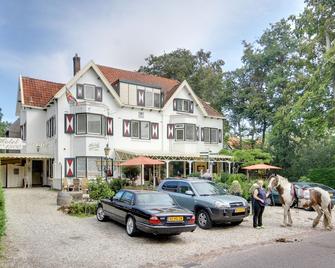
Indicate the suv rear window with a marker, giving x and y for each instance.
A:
(170, 186)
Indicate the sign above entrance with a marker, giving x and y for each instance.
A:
(11, 144)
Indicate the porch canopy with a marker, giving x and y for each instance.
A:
(260, 166)
(142, 161)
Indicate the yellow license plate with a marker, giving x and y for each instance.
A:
(175, 219)
(239, 210)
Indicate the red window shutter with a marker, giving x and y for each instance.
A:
(140, 97)
(110, 126)
(69, 123)
(191, 106)
(98, 93)
(154, 130)
(126, 128)
(170, 131)
(70, 167)
(80, 91)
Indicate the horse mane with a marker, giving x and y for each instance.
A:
(281, 180)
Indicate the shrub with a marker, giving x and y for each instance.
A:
(117, 184)
(323, 175)
(194, 174)
(2, 212)
(82, 208)
(99, 189)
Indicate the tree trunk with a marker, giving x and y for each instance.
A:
(263, 133)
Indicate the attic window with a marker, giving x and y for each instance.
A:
(89, 92)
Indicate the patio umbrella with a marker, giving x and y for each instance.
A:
(259, 167)
(142, 161)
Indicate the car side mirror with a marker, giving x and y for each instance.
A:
(189, 192)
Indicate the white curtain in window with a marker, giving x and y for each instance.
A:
(145, 130)
(94, 123)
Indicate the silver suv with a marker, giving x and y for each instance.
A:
(210, 203)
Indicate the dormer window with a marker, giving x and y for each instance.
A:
(89, 92)
(183, 105)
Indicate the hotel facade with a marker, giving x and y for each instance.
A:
(64, 128)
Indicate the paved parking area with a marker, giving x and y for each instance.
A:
(40, 236)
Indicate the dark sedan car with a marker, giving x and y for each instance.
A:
(146, 211)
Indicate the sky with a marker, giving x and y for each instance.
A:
(39, 39)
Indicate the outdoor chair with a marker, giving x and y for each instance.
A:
(84, 185)
(76, 185)
(65, 185)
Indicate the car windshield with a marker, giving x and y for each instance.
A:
(205, 188)
(154, 199)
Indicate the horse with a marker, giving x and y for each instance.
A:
(320, 201)
(286, 194)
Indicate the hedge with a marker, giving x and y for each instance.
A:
(2, 212)
(323, 175)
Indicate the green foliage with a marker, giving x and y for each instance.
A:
(131, 172)
(82, 208)
(251, 157)
(117, 184)
(323, 175)
(99, 189)
(194, 174)
(203, 74)
(3, 125)
(2, 213)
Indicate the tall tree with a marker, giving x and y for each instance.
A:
(3, 125)
(202, 73)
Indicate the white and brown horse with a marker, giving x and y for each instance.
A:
(320, 201)
(286, 194)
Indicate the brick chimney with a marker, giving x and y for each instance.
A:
(76, 64)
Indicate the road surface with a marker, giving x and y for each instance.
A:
(316, 250)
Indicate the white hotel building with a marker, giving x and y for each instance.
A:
(134, 113)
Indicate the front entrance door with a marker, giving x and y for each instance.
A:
(37, 172)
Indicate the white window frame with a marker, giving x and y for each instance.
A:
(141, 132)
(132, 129)
(86, 87)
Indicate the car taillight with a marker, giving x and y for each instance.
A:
(154, 220)
(192, 220)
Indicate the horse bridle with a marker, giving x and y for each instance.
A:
(276, 184)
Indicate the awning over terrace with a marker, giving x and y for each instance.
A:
(22, 156)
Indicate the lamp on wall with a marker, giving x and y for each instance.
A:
(107, 150)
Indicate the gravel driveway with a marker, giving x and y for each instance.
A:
(40, 236)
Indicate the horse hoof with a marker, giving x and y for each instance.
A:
(283, 225)
(289, 224)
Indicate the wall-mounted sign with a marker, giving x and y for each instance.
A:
(94, 146)
(11, 144)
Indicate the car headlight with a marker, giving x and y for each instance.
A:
(219, 204)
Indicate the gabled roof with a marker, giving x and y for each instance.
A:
(115, 75)
(209, 109)
(38, 92)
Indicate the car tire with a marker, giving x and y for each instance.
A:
(235, 223)
(204, 221)
(101, 214)
(131, 228)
